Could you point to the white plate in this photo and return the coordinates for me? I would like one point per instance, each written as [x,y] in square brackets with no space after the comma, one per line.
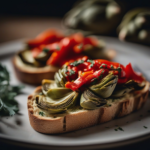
[18,129]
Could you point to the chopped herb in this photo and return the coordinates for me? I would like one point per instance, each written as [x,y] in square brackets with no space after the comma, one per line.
[127,122]
[76,63]
[92,62]
[119,69]
[71,72]
[112,67]
[141,115]
[145,127]
[139,119]
[118,128]
[58,47]
[41,113]
[95,80]
[8,104]
[45,50]
[148,111]
[80,46]
[103,66]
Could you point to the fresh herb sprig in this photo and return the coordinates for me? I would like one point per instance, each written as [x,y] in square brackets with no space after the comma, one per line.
[8,104]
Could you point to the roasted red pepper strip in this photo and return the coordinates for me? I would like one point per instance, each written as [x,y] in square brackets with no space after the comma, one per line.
[132,75]
[99,67]
[66,52]
[46,37]
[84,79]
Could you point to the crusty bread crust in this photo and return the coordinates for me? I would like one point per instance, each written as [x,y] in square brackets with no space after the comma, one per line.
[85,118]
[32,75]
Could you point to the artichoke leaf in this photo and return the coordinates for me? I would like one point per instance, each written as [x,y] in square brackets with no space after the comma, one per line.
[59,79]
[51,105]
[43,57]
[58,92]
[106,87]
[89,100]
[47,84]
[129,86]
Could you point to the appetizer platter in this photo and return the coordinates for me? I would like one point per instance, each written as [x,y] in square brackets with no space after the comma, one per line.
[129,129]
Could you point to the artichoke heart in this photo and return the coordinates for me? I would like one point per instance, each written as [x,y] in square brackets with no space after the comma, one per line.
[47,84]
[106,87]
[60,78]
[59,92]
[89,100]
[60,105]
[122,90]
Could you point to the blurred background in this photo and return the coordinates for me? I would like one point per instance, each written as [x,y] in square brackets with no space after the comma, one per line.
[127,19]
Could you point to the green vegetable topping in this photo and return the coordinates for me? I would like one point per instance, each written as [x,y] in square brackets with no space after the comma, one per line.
[45,50]
[80,46]
[145,127]
[92,62]
[41,113]
[8,104]
[58,47]
[71,72]
[76,63]
[118,128]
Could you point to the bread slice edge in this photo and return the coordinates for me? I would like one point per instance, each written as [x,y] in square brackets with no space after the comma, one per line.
[85,118]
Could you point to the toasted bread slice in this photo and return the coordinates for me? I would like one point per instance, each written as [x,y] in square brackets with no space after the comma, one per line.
[81,118]
[32,75]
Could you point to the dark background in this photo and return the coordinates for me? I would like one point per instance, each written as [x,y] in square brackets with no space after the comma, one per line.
[55,8]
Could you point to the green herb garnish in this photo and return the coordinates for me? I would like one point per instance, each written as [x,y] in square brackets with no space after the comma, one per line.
[71,72]
[58,47]
[76,63]
[118,128]
[95,80]
[8,104]
[45,50]
[92,62]
[41,113]
[80,46]
[145,127]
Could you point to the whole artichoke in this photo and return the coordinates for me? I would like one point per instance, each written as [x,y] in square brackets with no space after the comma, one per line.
[135,26]
[95,16]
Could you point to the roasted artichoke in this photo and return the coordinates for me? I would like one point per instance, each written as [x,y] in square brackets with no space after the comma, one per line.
[95,16]
[135,26]
[106,87]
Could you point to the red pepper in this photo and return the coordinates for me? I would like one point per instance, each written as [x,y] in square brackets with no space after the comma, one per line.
[46,37]
[91,41]
[85,79]
[132,75]
[66,52]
